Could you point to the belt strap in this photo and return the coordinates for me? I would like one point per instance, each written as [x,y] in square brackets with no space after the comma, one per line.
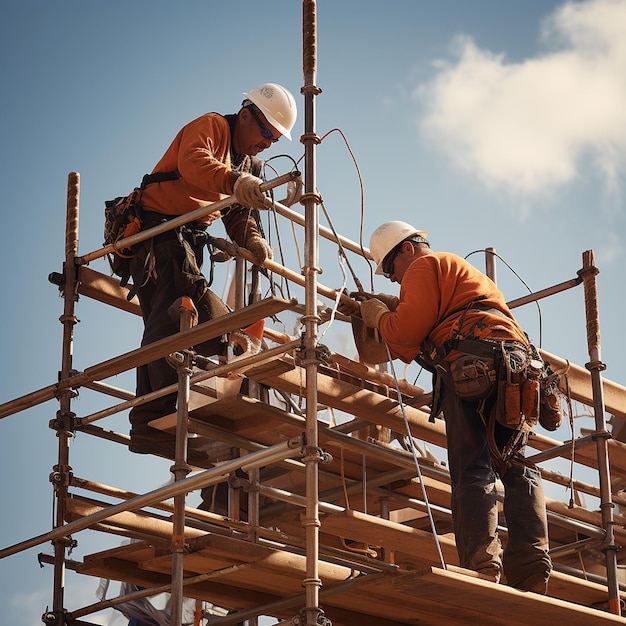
[479,347]
[159,177]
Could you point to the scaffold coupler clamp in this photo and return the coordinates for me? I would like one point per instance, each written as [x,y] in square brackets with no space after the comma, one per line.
[314,453]
[301,620]
[181,359]
[320,355]
[54,618]
[64,423]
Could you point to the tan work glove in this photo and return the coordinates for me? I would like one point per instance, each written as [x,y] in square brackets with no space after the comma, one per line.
[347,305]
[371,312]
[247,188]
[259,248]
[391,301]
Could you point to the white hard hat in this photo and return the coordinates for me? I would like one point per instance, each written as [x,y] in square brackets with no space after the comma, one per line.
[387,236]
[277,104]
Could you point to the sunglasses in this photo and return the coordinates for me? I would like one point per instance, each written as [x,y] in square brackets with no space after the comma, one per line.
[389,260]
[265,131]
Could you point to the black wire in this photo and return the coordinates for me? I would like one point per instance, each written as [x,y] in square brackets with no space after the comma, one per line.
[521,280]
[286,156]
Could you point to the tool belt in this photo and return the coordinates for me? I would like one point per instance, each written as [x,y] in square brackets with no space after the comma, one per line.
[472,375]
[484,368]
[525,387]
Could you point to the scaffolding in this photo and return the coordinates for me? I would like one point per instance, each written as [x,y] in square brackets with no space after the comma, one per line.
[328,523]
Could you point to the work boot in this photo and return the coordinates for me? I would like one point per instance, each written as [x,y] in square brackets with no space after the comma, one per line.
[537,583]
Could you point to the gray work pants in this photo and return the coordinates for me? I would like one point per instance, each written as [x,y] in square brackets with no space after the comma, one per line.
[474,500]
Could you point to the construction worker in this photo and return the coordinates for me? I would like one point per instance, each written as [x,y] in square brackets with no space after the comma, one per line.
[449,313]
[211,157]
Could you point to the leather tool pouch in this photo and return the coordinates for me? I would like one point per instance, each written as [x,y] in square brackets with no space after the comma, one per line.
[518,401]
[473,378]
[369,344]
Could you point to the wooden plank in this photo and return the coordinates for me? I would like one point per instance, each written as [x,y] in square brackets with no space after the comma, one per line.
[400,538]
[590,517]
[105,289]
[228,596]
[124,570]
[78,507]
[510,606]
[368,405]
[376,531]
[373,594]
[579,385]
[136,551]
[431,596]
[237,414]
[577,590]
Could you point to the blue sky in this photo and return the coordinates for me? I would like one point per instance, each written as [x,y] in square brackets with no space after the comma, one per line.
[486,123]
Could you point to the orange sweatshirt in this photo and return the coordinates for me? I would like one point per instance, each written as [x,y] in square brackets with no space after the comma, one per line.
[434,287]
[201,153]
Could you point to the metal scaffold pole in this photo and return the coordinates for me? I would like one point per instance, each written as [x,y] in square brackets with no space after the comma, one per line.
[63,423]
[180,469]
[601,434]
[312,614]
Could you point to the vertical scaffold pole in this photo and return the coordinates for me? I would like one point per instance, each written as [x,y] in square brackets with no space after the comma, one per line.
[180,469]
[64,421]
[312,583]
[601,435]
[490,264]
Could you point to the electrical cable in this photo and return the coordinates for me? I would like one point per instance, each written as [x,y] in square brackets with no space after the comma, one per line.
[523,283]
[416,460]
[361,187]
[341,250]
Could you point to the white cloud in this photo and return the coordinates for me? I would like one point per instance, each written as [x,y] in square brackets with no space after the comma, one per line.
[531,127]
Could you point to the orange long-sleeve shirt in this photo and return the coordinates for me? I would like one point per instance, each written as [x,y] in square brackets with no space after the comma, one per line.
[201,153]
[433,288]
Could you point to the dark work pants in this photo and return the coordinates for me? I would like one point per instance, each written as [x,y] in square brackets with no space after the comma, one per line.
[155,298]
[474,503]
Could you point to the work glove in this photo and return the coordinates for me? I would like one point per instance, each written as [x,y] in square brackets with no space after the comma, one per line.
[371,312]
[391,301]
[259,248]
[247,188]
[347,306]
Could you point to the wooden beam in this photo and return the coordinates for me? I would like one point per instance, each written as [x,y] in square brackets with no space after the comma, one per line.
[383,533]
[105,289]
[366,404]
[579,380]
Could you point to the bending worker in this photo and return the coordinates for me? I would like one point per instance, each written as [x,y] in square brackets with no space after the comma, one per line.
[448,309]
[211,157]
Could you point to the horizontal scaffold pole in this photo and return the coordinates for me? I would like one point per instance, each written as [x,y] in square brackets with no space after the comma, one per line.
[157,350]
[198,214]
[266,456]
